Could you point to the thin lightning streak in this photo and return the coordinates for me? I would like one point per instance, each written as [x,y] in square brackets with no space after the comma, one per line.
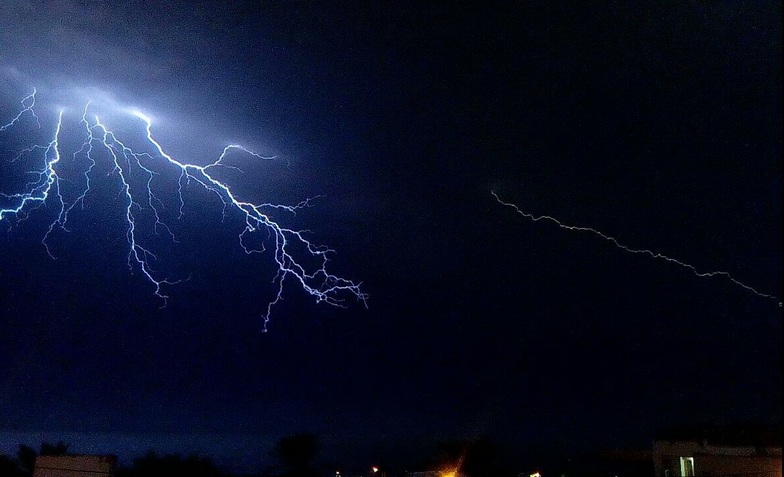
[138,198]
[649,253]
[28,102]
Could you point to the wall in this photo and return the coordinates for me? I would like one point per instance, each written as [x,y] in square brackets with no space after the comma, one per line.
[74,466]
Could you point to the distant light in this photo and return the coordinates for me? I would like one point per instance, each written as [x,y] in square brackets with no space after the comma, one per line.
[536,474]
[375,469]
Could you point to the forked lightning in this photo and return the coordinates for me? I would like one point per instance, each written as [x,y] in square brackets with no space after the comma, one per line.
[101,143]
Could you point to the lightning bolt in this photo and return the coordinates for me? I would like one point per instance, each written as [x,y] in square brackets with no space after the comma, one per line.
[650,253]
[28,102]
[139,172]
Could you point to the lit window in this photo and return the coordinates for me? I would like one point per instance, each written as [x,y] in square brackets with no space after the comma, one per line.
[687,466]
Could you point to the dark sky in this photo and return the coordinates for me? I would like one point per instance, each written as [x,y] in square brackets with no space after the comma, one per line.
[657,123]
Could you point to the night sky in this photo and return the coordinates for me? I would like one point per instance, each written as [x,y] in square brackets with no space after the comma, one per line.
[657,123]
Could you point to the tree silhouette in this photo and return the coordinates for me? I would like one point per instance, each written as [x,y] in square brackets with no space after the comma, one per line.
[8,467]
[60,448]
[153,465]
[296,453]
[26,456]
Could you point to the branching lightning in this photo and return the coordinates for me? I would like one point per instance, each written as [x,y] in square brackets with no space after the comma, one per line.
[139,197]
[28,102]
[650,253]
